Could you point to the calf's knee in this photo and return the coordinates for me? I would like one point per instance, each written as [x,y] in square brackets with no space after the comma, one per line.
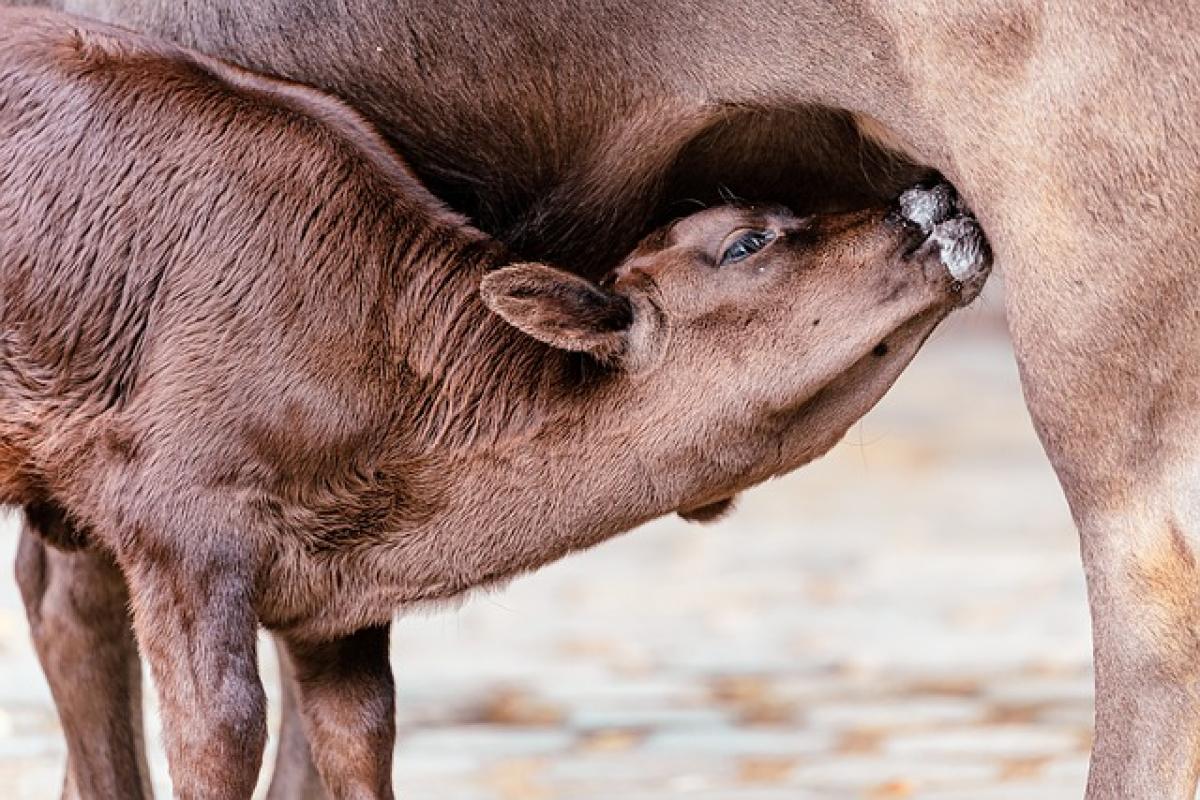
[30,571]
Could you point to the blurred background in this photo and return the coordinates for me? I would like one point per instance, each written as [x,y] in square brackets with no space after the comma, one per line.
[904,618]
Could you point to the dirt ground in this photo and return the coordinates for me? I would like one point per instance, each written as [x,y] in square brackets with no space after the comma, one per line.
[905,618]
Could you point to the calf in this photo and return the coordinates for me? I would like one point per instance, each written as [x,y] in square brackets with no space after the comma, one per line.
[1071,127]
[248,356]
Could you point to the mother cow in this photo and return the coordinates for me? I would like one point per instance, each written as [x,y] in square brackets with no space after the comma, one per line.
[568,127]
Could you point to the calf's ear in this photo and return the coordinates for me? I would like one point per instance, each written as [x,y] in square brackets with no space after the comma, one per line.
[558,308]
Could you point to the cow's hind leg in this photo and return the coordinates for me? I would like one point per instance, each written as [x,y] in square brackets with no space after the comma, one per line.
[1134,489]
[1071,128]
[76,603]
[1102,306]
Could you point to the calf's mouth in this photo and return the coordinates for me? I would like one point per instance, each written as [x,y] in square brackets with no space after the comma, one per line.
[941,238]
[946,240]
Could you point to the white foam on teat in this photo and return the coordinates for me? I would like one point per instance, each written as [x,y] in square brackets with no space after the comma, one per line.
[961,246]
[927,207]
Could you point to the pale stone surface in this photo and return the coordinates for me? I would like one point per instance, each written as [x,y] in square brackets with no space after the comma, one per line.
[905,618]
[1002,741]
[850,772]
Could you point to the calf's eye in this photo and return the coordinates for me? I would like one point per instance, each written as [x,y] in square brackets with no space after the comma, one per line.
[746,245]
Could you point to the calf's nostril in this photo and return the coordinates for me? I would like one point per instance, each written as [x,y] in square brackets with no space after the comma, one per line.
[880,350]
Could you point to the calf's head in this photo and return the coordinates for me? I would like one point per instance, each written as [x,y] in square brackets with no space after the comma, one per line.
[743,341]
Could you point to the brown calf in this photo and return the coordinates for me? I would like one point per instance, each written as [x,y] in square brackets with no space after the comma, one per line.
[248,357]
[568,128]
[1071,127]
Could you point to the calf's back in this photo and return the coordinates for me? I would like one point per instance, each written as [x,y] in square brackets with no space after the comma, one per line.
[155,206]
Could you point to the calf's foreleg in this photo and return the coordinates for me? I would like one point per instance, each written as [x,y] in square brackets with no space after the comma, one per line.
[346,696]
[295,776]
[192,587]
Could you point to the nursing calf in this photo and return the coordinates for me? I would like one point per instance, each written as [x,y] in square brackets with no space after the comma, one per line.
[247,355]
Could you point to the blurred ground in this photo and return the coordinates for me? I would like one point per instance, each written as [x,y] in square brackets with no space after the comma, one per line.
[905,618]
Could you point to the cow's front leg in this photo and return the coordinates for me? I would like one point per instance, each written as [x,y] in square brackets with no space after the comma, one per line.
[78,619]
[195,622]
[346,696]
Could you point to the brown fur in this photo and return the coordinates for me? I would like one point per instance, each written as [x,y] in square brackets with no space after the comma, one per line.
[252,361]
[567,129]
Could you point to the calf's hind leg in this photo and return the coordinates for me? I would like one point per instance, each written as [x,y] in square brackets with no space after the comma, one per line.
[76,603]
[77,606]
